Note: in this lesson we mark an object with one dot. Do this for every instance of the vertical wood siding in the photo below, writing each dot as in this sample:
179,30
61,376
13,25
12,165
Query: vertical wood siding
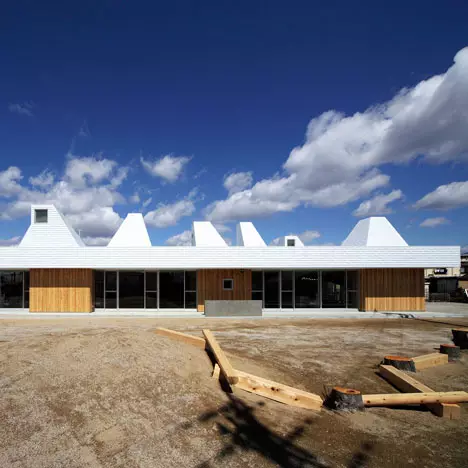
210,285
61,290
387,289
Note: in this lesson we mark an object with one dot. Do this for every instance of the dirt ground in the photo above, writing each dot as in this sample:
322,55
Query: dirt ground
107,392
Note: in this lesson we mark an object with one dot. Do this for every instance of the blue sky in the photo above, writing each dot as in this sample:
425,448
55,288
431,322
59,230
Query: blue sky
299,116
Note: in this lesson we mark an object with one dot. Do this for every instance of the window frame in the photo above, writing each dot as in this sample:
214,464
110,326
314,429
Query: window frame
232,284
41,211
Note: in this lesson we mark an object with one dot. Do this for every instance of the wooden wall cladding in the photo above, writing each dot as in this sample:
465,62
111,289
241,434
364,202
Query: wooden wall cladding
210,285
387,289
61,290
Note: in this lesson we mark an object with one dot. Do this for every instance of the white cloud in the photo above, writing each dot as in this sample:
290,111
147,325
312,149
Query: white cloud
96,241
135,198
445,197
81,172
168,167
169,214
147,202
434,222
182,239
306,237
9,181
22,109
238,181
339,160
378,205
10,242
43,180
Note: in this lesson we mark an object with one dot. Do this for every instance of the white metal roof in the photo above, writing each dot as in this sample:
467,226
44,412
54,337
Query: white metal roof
283,241
248,236
131,233
206,235
374,231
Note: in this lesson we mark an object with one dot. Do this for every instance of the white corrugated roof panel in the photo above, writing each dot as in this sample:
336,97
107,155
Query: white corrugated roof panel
248,236
131,233
374,231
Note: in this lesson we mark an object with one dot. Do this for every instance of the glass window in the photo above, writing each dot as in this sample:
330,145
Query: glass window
287,300
151,299
111,299
190,280
151,280
40,216
111,280
131,290
291,242
11,289
286,280
171,289
257,281
26,289
271,279
190,300
352,289
99,289
111,290
333,288
307,289
228,284
257,295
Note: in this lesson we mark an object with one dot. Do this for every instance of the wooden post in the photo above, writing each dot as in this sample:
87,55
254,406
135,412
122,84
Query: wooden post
396,399
222,360
400,362
345,399
451,350
178,336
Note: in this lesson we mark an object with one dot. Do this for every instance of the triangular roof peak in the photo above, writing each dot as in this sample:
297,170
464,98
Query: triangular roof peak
204,234
131,233
374,231
49,228
248,236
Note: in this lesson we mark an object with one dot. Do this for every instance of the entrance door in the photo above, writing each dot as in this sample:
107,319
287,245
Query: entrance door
131,290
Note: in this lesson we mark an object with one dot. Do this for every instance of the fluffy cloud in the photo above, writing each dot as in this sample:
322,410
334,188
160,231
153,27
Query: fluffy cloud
445,197
96,241
306,237
169,214
168,167
182,239
10,242
237,181
339,160
22,109
378,205
86,194
434,222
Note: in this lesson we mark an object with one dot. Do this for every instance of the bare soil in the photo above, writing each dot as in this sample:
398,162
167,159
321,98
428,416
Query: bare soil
107,392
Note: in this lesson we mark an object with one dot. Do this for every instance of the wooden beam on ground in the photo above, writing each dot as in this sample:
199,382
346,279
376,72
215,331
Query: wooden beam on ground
397,399
183,337
278,392
408,384
224,364
429,360
216,371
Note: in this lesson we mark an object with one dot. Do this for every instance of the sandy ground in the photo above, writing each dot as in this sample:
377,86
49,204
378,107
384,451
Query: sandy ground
108,392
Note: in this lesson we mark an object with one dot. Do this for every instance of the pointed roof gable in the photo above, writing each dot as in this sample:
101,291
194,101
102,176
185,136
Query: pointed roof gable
131,233
374,231
55,231
206,235
248,236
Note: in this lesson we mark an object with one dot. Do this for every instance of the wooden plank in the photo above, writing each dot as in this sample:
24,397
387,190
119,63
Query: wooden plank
183,337
429,360
224,364
216,372
278,392
408,384
396,399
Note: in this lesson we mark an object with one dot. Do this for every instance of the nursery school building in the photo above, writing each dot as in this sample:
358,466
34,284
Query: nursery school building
374,269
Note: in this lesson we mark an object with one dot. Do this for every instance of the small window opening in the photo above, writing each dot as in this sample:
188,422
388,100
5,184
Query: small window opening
40,216
291,242
228,284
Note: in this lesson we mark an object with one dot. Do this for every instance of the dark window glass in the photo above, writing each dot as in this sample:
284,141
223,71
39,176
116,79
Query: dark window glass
352,286
151,300
111,299
333,288
131,290
40,216
111,280
191,300
257,295
26,289
257,281
287,280
271,279
228,284
287,300
26,299
307,289
190,280
151,280
99,289
291,242
171,289
11,289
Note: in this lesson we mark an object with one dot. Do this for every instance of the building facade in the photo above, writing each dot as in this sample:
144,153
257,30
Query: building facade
374,269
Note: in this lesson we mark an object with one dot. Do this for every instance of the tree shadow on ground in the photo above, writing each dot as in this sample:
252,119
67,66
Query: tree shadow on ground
243,432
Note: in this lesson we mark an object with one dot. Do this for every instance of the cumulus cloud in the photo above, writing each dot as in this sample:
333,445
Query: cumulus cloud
169,214
10,181
182,239
434,222
135,198
445,197
43,180
237,181
378,205
10,242
22,109
340,159
96,241
168,168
